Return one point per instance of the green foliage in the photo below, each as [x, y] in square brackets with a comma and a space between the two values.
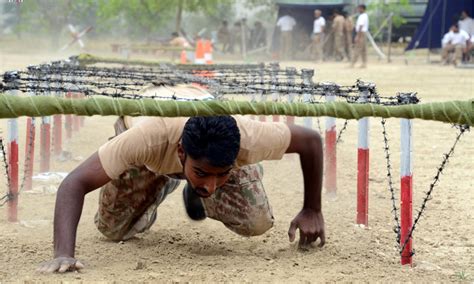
[381, 9]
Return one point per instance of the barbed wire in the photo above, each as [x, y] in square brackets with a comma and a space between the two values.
[462, 129]
[128, 81]
[394, 210]
[4, 199]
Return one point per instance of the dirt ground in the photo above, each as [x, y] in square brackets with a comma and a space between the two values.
[180, 250]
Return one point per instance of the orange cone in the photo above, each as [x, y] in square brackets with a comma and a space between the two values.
[208, 51]
[183, 57]
[199, 58]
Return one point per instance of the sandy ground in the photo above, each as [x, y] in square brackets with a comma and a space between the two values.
[179, 250]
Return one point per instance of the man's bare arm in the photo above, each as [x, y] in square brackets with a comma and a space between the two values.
[307, 143]
[69, 201]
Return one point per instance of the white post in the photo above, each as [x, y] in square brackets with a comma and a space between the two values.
[330, 170]
[275, 67]
[307, 77]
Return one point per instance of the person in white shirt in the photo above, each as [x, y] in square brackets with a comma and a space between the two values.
[318, 35]
[457, 41]
[360, 41]
[286, 24]
[466, 23]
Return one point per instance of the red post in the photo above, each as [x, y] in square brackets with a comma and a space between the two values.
[68, 121]
[290, 73]
[330, 149]
[406, 192]
[57, 135]
[29, 153]
[13, 166]
[45, 149]
[363, 164]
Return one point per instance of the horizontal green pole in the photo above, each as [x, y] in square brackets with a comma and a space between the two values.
[458, 112]
[86, 59]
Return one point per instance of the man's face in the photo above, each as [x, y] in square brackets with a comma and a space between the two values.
[317, 14]
[455, 29]
[463, 15]
[360, 10]
[203, 177]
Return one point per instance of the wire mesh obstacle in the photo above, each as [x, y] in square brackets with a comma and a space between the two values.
[87, 85]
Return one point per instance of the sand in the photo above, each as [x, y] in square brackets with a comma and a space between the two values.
[180, 250]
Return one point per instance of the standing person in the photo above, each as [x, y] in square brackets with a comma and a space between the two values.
[466, 23]
[348, 34]
[338, 31]
[360, 41]
[258, 36]
[286, 24]
[236, 37]
[457, 41]
[223, 36]
[218, 158]
[319, 25]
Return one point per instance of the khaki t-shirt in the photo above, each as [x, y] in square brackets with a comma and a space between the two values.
[153, 143]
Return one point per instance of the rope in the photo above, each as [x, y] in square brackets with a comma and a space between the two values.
[455, 112]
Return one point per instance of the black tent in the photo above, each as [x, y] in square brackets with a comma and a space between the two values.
[438, 17]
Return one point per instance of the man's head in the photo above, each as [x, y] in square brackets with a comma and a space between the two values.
[174, 34]
[336, 12]
[225, 23]
[455, 28]
[208, 150]
[317, 13]
[361, 8]
[464, 15]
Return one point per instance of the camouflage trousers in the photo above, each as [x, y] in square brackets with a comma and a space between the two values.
[241, 204]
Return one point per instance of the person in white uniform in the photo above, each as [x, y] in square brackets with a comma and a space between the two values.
[466, 23]
[455, 41]
[286, 24]
[318, 35]
[360, 41]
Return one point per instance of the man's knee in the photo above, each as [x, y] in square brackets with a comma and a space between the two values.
[259, 223]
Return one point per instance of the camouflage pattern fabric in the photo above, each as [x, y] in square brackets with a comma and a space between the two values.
[241, 204]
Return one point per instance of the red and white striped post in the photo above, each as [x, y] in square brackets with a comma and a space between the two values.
[29, 152]
[275, 68]
[45, 142]
[13, 166]
[330, 170]
[68, 120]
[307, 78]
[290, 73]
[57, 135]
[406, 192]
[76, 120]
[263, 96]
[363, 162]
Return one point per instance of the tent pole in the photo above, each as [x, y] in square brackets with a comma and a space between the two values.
[429, 32]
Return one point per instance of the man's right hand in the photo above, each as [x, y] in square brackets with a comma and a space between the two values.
[60, 264]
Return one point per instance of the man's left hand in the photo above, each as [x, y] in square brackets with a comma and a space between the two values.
[311, 225]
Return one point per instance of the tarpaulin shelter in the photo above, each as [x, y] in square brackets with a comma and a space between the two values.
[438, 17]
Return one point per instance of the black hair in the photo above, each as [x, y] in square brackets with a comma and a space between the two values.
[363, 6]
[214, 138]
[174, 34]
